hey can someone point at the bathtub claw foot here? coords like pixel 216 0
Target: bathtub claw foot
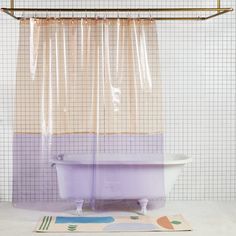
pixel 79 207
pixel 143 204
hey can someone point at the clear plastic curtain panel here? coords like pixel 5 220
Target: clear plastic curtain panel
pixel 88 99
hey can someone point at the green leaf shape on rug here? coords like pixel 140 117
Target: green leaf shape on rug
pixel 72 227
pixel 175 222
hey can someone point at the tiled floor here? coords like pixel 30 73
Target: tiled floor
pixel 206 218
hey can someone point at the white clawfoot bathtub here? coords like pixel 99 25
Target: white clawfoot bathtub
pixel 133 176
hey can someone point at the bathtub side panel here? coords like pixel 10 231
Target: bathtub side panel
pixel 129 182
pixel 116 181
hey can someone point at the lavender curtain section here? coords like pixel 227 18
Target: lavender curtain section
pixel 35 180
pixel 84 87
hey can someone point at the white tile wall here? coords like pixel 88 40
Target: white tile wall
pixel 198 67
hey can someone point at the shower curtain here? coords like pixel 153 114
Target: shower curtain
pixel 87 86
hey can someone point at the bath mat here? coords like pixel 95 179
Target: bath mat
pixel 57 224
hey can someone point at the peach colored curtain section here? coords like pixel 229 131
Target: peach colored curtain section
pixel 88 76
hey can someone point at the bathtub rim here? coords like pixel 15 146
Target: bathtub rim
pixel 170 159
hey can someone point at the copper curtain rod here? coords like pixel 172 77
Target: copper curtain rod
pixel 216 12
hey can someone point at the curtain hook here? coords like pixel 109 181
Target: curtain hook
pixel 24 17
pixel 59 17
pixel 35 16
pixel 138 17
pixel 151 17
pixel 72 16
pixel 96 16
pixel 47 15
pixel 128 15
pixel 86 16
pixel 107 18
pixel 118 17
